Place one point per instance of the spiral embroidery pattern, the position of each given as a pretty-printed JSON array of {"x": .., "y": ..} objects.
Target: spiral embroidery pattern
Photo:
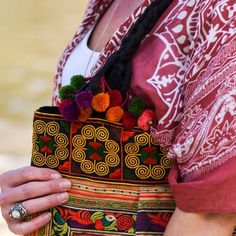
[
  {"x": 93, "y": 150},
  {"x": 98, "y": 150},
  {"x": 144, "y": 160},
  {"x": 48, "y": 144}
]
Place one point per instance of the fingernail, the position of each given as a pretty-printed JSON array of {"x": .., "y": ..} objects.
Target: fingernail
[
  {"x": 65, "y": 184},
  {"x": 63, "y": 197},
  {"x": 47, "y": 215},
  {"x": 55, "y": 176}
]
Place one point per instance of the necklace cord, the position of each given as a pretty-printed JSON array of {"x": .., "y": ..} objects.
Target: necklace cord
[{"x": 99, "y": 39}]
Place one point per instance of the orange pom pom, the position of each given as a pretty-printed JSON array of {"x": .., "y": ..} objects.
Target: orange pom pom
[
  {"x": 114, "y": 114},
  {"x": 85, "y": 114},
  {"x": 101, "y": 102}
]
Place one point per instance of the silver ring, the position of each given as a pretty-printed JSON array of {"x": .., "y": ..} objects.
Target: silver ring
[{"x": 18, "y": 212}]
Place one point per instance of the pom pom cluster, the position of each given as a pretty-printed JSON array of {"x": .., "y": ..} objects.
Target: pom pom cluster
[{"x": 77, "y": 104}]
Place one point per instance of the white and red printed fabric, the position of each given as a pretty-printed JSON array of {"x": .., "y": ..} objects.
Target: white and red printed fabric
[{"x": 186, "y": 69}]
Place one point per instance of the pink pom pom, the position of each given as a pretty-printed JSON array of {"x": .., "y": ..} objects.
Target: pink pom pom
[{"x": 146, "y": 119}]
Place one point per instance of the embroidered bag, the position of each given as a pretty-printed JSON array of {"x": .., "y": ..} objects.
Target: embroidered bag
[{"x": 118, "y": 172}]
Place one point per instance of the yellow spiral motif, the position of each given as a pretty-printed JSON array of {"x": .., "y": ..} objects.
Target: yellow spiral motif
[
  {"x": 164, "y": 150},
  {"x": 132, "y": 161},
  {"x": 88, "y": 131},
  {"x": 61, "y": 140},
  {"x": 61, "y": 153},
  {"x": 39, "y": 126},
  {"x": 87, "y": 167},
  {"x": 166, "y": 162},
  {"x": 102, "y": 134},
  {"x": 35, "y": 147},
  {"x": 101, "y": 169},
  {"x": 78, "y": 155},
  {"x": 131, "y": 148},
  {"x": 34, "y": 136},
  {"x": 142, "y": 139},
  {"x": 38, "y": 159},
  {"x": 52, "y": 161},
  {"x": 152, "y": 140},
  {"x": 112, "y": 146},
  {"x": 52, "y": 128},
  {"x": 158, "y": 172},
  {"x": 79, "y": 141},
  {"x": 112, "y": 160},
  {"x": 143, "y": 172}
]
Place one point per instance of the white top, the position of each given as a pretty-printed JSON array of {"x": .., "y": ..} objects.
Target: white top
[{"x": 77, "y": 63}]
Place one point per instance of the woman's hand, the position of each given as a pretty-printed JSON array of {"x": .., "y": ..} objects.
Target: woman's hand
[
  {"x": 38, "y": 189},
  {"x": 198, "y": 224}
]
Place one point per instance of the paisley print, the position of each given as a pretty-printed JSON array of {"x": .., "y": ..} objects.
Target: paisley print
[
  {"x": 206, "y": 135},
  {"x": 186, "y": 69}
]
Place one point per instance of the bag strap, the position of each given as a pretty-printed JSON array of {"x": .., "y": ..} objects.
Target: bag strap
[{"x": 117, "y": 69}]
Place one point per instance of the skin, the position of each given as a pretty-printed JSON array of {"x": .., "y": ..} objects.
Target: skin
[
  {"x": 198, "y": 224},
  {"x": 122, "y": 12},
  {"x": 40, "y": 189}
]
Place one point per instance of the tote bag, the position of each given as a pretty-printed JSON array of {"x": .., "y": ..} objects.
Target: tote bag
[{"x": 118, "y": 175}]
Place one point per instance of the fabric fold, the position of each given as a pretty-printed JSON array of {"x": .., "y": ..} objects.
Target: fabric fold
[{"x": 213, "y": 192}]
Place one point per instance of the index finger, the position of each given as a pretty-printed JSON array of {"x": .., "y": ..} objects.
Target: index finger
[{"x": 26, "y": 174}]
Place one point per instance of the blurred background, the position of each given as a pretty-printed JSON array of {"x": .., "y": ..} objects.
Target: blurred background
[{"x": 33, "y": 35}]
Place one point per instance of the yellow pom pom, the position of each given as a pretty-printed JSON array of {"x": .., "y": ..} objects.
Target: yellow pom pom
[
  {"x": 101, "y": 102},
  {"x": 85, "y": 114},
  {"x": 114, "y": 114}
]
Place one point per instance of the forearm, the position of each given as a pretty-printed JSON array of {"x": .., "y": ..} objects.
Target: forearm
[{"x": 198, "y": 224}]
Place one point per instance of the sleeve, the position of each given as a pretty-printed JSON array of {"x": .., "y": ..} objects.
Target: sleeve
[{"x": 203, "y": 178}]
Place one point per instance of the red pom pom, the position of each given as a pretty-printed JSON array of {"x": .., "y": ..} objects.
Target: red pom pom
[
  {"x": 115, "y": 98},
  {"x": 146, "y": 119},
  {"x": 63, "y": 103},
  {"x": 128, "y": 121}
]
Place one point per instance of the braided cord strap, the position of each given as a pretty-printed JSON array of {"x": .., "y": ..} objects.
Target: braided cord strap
[{"x": 117, "y": 68}]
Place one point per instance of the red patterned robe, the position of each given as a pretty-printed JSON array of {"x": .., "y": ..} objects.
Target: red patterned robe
[{"x": 186, "y": 69}]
